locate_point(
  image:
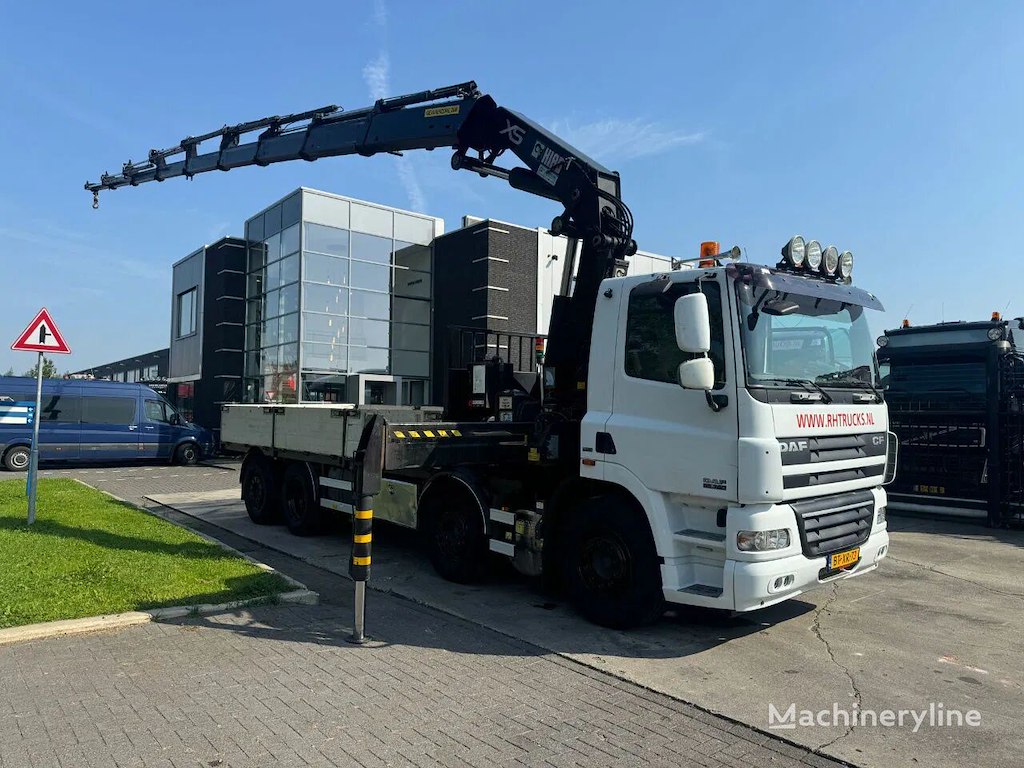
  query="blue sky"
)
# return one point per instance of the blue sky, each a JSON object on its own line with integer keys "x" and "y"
{"x": 891, "y": 129}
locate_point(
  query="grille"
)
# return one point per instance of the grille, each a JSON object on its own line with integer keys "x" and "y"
{"x": 813, "y": 450}
{"x": 834, "y": 523}
{"x": 812, "y": 479}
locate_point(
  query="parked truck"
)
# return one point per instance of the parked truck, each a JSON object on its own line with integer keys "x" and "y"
{"x": 709, "y": 436}
{"x": 956, "y": 398}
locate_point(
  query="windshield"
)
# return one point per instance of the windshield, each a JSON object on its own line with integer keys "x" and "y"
{"x": 788, "y": 337}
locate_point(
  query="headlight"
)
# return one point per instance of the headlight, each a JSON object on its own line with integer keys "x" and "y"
{"x": 846, "y": 265}
{"x": 762, "y": 541}
{"x": 813, "y": 254}
{"x": 882, "y": 341}
{"x": 794, "y": 251}
{"x": 995, "y": 333}
{"x": 880, "y": 516}
{"x": 830, "y": 260}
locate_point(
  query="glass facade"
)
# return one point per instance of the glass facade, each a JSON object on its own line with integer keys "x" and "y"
{"x": 335, "y": 287}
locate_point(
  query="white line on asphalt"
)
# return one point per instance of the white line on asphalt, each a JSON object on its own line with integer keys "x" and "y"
{"x": 873, "y": 594}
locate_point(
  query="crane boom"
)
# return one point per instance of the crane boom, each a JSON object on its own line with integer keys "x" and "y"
{"x": 457, "y": 116}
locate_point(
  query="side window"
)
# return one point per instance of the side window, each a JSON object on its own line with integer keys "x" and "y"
{"x": 61, "y": 409}
{"x": 156, "y": 411}
{"x": 108, "y": 410}
{"x": 651, "y": 351}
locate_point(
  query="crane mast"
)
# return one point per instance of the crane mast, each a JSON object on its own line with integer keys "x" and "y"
{"x": 479, "y": 131}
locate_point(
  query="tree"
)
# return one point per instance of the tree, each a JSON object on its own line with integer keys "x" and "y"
{"x": 10, "y": 372}
{"x": 49, "y": 369}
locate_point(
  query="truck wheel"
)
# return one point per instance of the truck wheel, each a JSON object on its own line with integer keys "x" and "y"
{"x": 456, "y": 539}
{"x": 299, "y": 504}
{"x": 187, "y": 454}
{"x": 17, "y": 459}
{"x": 260, "y": 492}
{"x": 613, "y": 569}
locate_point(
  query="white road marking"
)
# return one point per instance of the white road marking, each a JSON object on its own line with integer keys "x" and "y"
{"x": 873, "y": 594}
{"x": 957, "y": 663}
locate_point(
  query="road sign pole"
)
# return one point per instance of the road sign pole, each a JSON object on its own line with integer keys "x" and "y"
{"x": 33, "y": 467}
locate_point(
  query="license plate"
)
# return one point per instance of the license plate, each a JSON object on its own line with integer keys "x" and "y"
{"x": 843, "y": 559}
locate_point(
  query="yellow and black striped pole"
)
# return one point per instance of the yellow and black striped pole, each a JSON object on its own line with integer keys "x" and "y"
{"x": 359, "y": 566}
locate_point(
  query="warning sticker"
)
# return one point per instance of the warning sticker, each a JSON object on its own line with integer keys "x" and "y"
{"x": 441, "y": 111}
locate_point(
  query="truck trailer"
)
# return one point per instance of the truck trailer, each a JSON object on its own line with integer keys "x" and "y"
{"x": 710, "y": 436}
{"x": 956, "y": 398}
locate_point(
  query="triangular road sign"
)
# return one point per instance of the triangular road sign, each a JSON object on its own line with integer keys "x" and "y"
{"x": 42, "y": 336}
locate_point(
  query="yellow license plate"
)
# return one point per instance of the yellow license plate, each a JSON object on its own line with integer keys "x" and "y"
{"x": 843, "y": 559}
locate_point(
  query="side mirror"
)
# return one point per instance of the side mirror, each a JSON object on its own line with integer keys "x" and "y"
{"x": 175, "y": 420}
{"x": 698, "y": 373}
{"x": 693, "y": 324}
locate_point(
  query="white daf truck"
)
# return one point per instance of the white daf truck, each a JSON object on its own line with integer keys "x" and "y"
{"x": 710, "y": 436}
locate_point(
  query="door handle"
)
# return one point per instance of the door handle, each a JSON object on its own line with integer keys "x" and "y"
{"x": 133, "y": 426}
{"x": 149, "y": 427}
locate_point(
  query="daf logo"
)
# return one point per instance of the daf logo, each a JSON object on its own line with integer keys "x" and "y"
{"x": 792, "y": 446}
{"x": 878, "y": 440}
{"x": 515, "y": 133}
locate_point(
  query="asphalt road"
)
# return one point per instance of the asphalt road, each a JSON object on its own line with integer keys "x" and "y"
{"x": 939, "y": 624}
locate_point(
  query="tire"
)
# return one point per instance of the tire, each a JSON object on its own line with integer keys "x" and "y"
{"x": 17, "y": 459}
{"x": 187, "y": 454}
{"x": 614, "y": 577}
{"x": 260, "y": 492}
{"x": 300, "y": 506}
{"x": 456, "y": 539}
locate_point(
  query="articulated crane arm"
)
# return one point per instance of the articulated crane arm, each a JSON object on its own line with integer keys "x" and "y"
{"x": 479, "y": 131}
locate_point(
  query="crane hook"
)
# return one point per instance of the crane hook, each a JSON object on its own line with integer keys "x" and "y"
{"x": 95, "y": 199}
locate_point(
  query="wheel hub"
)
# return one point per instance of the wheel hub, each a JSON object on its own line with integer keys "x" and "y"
{"x": 605, "y": 565}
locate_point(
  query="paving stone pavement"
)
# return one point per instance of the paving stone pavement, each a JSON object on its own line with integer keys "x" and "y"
{"x": 279, "y": 685}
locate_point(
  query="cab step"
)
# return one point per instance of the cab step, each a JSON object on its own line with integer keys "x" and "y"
{"x": 703, "y": 590}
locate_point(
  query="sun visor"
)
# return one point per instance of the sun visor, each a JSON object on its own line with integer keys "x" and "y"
{"x": 764, "y": 278}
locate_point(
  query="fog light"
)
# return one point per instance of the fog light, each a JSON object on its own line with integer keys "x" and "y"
{"x": 762, "y": 541}
{"x": 882, "y": 552}
{"x": 880, "y": 516}
{"x": 781, "y": 582}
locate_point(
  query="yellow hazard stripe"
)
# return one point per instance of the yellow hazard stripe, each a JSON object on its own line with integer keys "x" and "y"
{"x": 399, "y": 435}
{"x": 364, "y": 514}
{"x": 360, "y": 561}
{"x": 428, "y": 433}
{"x": 413, "y": 434}
{"x": 442, "y": 433}
{"x": 456, "y": 433}
{"x": 362, "y": 538}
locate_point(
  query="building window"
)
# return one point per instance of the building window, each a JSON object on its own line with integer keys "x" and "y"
{"x": 187, "y": 313}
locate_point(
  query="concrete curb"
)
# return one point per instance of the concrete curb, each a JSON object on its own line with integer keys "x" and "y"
{"x": 299, "y": 594}
{"x": 65, "y": 627}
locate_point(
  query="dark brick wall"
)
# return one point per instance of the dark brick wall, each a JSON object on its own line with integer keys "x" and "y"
{"x": 223, "y": 332}
{"x": 465, "y": 262}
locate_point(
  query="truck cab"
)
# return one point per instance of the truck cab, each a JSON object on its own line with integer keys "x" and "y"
{"x": 766, "y": 483}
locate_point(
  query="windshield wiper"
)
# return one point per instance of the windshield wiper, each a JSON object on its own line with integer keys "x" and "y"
{"x": 807, "y": 384}
{"x": 850, "y": 377}
{"x": 860, "y": 384}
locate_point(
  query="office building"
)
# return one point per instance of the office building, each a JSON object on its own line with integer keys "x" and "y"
{"x": 207, "y": 331}
{"x": 338, "y": 295}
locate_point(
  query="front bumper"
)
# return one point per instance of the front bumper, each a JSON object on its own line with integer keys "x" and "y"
{"x": 755, "y": 583}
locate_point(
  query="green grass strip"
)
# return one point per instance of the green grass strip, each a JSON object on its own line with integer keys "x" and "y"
{"x": 88, "y": 554}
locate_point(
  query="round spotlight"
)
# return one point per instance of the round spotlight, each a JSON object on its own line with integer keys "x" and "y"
{"x": 793, "y": 252}
{"x": 846, "y": 265}
{"x": 995, "y": 334}
{"x": 813, "y": 254}
{"x": 882, "y": 341}
{"x": 830, "y": 260}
